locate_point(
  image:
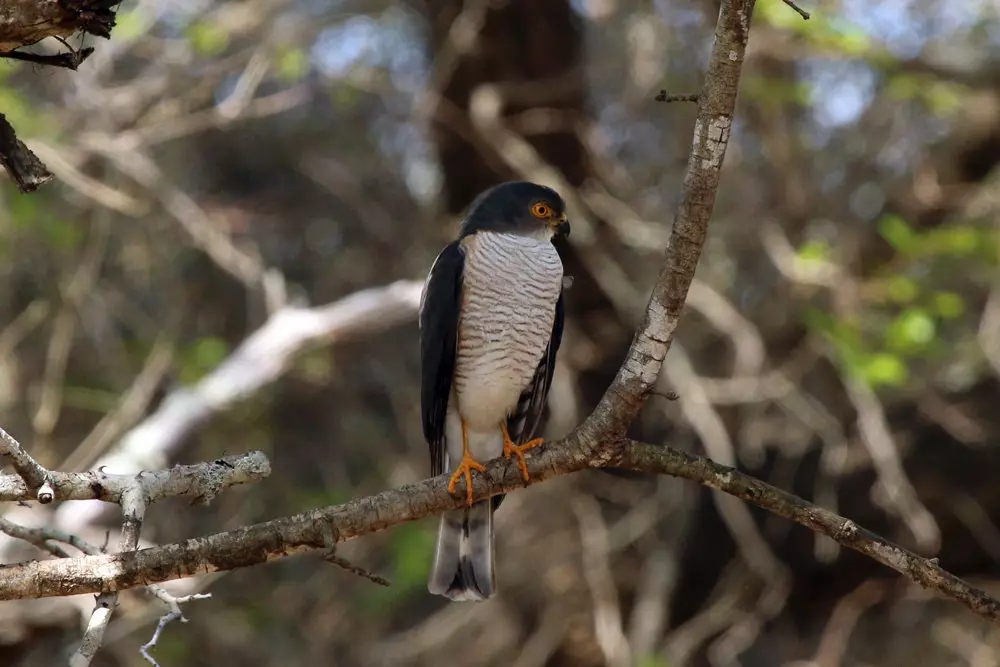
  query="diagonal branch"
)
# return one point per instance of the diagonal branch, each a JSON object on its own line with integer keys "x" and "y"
{"x": 310, "y": 531}
{"x": 716, "y": 104}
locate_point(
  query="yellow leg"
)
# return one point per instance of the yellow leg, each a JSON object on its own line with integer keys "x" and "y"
{"x": 465, "y": 468}
{"x": 512, "y": 449}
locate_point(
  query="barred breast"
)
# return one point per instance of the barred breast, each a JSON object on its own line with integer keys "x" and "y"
{"x": 510, "y": 288}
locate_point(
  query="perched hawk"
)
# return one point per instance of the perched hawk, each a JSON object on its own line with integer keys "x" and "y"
{"x": 491, "y": 319}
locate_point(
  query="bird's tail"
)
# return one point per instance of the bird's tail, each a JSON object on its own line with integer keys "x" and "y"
{"x": 463, "y": 568}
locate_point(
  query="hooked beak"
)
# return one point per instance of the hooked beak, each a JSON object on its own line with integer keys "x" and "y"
{"x": 560, "y": 225}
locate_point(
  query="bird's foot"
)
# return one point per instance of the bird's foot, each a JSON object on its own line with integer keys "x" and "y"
{"x": 465, "y": 469}
{"x": 511, "y": 449}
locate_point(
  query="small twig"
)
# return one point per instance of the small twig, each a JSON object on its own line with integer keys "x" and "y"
{"x": 70, "y": 60}
{"x": 165, "y": 620}
{"x": 33, "y": 536}
{"x": 798, "y": 10}
{"x": 44, "y": 538}
{"x": 669, "y": 395}
{"x": 23, "y": 166}
{"x": 664, "y": 97}
{"x": 330, "y": 539}
{"x": 332, "y": 557}
{"x": 174, "y": 614}
{"x": 134, "y": 499}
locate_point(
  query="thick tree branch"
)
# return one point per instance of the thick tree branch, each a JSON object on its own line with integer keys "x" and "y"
{"x": 284, "y": 537}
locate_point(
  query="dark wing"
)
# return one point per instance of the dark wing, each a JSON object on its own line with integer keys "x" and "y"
{"x": 522, "y": 423}
{"x": 439, "y": 312}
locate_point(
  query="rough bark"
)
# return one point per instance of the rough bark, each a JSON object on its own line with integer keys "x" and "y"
{"x": 323, "y": 528}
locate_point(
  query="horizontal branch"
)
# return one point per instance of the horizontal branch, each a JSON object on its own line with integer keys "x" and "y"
{"x": 314, "y": 530}
{"x": 201, "y": 480}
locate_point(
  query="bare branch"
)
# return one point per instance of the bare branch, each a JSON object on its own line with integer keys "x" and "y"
{"x": 133, "y": 501}
{"x": 200, "y": 480}
{"x": 798, "y": 10}
{"x": 716, "y": 103}
{"x": 45, "y": 538}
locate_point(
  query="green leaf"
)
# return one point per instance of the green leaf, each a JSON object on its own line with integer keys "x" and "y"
{"x": 209, "y": 352}
{"x": 943, "y": 99}
{"x": 902, "y": 289}
{"x": 911, "y": 331}
{"x": 947, "y": 305}
{"x": 956, "y": 240}
{"x": 292, "y": 64}
{"x": 207, "y": 39}
{"x": 129, "y": 25}
{"x": 814, "y": 251}
{"x": 898, "y": 233}
{"x": 885, "y": 369}
{"x": 903, "y": 87}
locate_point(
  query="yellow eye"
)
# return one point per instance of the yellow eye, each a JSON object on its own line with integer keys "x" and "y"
{"x": 541, "y": 210}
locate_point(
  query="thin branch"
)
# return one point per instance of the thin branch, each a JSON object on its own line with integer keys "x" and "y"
{"x": 133, "y": 501}
{"x": 716, "y": 103}
{"x": 798, "y": 10}
{"x": 201, "y": 480}
{"x": 45, "y": 538}
{"x": 71, "y": 59}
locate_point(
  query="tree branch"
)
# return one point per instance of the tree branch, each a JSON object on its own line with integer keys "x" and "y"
{"x": 201, "y": 480}
{"x": 716, "y": 104}
{"x": 308, "y": 531}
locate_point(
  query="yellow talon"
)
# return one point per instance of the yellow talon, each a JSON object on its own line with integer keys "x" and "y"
{"x": 510, "y": 448}
{"x": 465, "y": 469}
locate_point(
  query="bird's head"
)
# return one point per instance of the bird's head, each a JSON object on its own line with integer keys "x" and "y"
{"x": 518, "y": 207}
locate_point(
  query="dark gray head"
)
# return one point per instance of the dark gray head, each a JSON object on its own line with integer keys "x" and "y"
{"x": 517, "y": 207}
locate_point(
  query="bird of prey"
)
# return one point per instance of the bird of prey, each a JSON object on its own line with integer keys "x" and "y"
{"x": 491, "y": 319}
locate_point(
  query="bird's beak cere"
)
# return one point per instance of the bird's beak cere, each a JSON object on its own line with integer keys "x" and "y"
{"x": 560, "y": 224}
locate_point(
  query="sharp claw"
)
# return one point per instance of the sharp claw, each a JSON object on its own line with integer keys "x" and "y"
{"x": 511, "y": 449}
{"x": 464, "y": 471}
